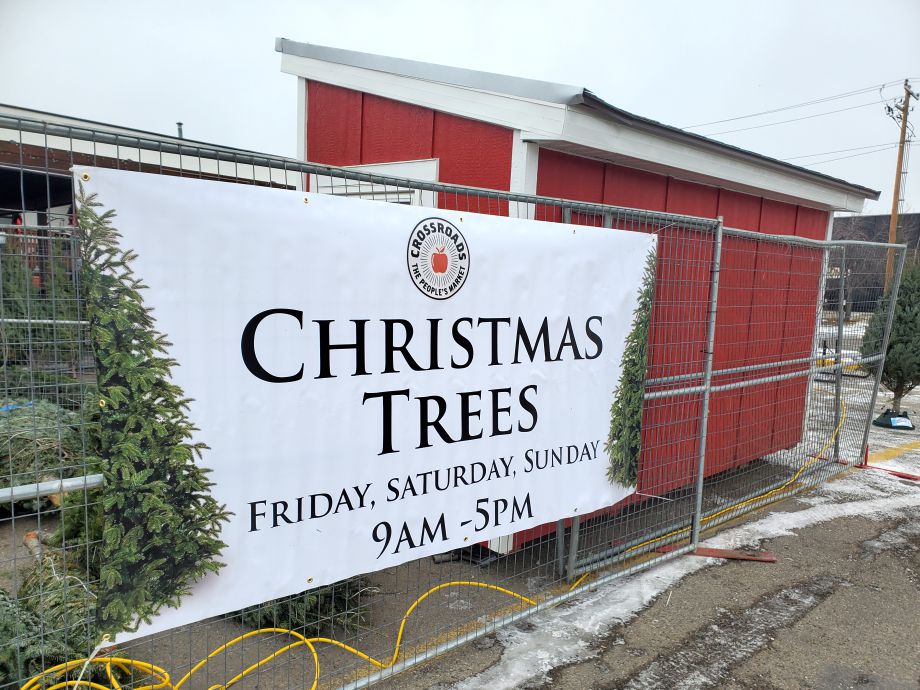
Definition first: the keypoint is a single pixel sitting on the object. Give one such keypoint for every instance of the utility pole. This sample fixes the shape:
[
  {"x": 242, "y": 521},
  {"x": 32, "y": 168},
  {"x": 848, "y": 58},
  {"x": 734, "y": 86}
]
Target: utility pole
[{"x": 893, "y": 223}]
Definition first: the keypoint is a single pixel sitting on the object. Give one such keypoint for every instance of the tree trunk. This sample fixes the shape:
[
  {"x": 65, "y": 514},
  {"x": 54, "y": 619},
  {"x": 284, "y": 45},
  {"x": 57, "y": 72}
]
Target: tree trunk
[{"x": 896, "y": 402}]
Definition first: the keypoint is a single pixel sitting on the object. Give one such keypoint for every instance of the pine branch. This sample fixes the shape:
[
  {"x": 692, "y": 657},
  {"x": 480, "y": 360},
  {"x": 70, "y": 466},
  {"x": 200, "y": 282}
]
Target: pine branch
[{"x": 624, "y": 441}]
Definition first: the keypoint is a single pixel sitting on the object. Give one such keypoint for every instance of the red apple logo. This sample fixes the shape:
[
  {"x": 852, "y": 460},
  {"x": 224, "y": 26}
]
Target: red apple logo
[{"x": 439, "y": 261}]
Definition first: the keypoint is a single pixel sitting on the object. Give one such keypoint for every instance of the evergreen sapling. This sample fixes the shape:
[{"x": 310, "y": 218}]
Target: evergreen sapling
[{"x": 901, "y": 373}]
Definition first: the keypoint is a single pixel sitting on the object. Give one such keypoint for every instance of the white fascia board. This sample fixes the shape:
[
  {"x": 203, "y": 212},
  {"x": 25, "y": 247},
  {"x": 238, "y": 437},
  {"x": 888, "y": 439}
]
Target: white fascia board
[
  {"x": 524, "y": 161},
  {"x": 513, "y": 112},
  {"x": 524, "y": 158},
  {"x": 302, "y": 118},
  {"x": 619, "y": 143},
  {"x": 302, "y": 128},
  {"x": 829, "y": 233}
]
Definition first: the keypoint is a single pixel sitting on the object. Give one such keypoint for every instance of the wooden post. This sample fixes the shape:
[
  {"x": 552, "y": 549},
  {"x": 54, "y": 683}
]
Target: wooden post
[{"x": 893, "y": 223}]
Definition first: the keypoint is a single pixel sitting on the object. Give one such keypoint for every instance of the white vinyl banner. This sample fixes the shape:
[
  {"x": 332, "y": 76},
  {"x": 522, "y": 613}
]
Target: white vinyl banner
[{"x": 377, "y": 382}]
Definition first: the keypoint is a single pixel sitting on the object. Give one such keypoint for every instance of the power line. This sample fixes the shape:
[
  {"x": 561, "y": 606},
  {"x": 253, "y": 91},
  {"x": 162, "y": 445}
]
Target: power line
[
  {"x": 864, "y": 153},
  {"x": 797, "y": 119},
  {"x": 799, "y": 105},
  {"x": 840, "y": 158},
  {"x": 827, "y": 153}
]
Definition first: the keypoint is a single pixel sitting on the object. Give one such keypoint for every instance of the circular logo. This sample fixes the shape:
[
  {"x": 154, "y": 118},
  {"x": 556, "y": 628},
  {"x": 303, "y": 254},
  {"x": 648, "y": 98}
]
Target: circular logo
[{"x": 438, "y": 258}]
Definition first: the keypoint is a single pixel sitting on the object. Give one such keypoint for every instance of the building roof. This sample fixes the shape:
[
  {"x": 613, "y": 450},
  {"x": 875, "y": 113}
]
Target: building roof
[
  {"x": 468, "y": 78},
  {"x": 38, "y": 148},
  {"x": 572, "y": 98},
  {"x": 16, "y": 118}
]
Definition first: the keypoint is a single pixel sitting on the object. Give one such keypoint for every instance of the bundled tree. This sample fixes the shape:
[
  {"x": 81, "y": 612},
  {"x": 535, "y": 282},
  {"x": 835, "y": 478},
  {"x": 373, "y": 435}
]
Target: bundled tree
[
  {"x": 25, "y": 647},
  {"x": 59, "y": 333},
  {"x": 19, "y": 304},
  {"x": 39, "y": 310},
  {"x": 901, "y": 373},
  {"x": 625, "y": 439},
  {"x": 40, "y": 441},
  {"x": 161, "y": 525},
  {"x": 342, "y": 605}
]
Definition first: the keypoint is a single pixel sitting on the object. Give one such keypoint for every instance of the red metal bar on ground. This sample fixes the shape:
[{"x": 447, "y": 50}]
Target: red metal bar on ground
[{"x": 728, "y": 554}]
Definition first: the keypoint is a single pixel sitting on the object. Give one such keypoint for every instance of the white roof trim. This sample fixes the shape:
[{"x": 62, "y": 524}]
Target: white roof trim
[
  {"x": 595, "y": 137},
  {"x": 426, "y": 71},
  {"x": 514, "y": 112}
]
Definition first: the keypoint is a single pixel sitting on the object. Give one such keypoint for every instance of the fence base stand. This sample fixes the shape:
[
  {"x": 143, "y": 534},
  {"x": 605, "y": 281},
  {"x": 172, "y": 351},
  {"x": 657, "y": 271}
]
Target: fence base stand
[
  {"x": 893, "y": 473},
  {"x": 727, "y": 554}
]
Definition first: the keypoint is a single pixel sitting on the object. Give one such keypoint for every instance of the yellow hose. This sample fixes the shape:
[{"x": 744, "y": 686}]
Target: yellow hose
[{"x": 163, "y": 679}]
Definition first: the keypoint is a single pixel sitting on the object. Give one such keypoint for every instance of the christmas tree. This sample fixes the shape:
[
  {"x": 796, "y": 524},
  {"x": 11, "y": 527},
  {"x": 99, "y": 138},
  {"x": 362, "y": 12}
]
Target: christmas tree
[
  {"x": 901, "y": 373},
  {"x": 161, "y": 527}
]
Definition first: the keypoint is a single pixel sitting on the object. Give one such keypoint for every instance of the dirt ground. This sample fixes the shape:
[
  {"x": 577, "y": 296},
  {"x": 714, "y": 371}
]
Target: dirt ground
[{"x": 839, "y": 609}]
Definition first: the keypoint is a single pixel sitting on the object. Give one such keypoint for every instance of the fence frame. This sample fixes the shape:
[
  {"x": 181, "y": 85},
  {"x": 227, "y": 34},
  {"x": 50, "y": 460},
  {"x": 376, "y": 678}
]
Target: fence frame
[{"x": 569, "y": 562}]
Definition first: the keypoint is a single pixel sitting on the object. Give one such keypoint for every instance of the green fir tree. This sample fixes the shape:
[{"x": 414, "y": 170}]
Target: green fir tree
[
  {"x": 901, "y": 373},
  {"x": 161, "y": 525},
  {"x": 625, "y": 438}
]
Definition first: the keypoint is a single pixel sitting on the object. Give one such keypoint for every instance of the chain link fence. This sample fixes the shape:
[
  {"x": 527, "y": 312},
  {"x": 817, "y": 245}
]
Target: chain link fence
[{"x": 761, "y": 373}]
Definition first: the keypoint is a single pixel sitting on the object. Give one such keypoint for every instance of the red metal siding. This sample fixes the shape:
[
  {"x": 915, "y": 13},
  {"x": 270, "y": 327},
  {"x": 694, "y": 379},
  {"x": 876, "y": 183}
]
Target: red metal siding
[
  {"x": 472, "y": 153},
  {"x": 333, "y": 124},
  {"x": 394, "y": 131},
  {"x": 765, "y": 332},
  {"x": 778, "y": 218},
  {"x": 346, "y": 127},
  {"x": 569, "y": 177},
  {"x": 811, "y": 223},
  {"x": 767, "y": 299},
  {"x": 634, "y": 188},
  {"x": 692, "y": 199},
  {"x": 798, "y": 335},
  {"x": 731, "y": 348},
  {"x": 739, "y": 210},
  {"x": 677, "y": 341},
  {"x": 798, "y": 332}
]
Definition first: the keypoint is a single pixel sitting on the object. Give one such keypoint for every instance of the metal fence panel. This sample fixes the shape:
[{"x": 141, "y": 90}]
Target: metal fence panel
[{"x": 762, "y": 372}]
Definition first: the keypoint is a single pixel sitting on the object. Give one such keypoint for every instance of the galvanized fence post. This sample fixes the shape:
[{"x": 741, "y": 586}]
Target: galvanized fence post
[
  {"x": 707, "y": 384},
  {"x": 838, "y": 350},
  {"x": 573, "y": 549},
  {"x": 560, "y": 548},
  {"x": 569, "y": 568},
  {"x": 893, "y": 300}
]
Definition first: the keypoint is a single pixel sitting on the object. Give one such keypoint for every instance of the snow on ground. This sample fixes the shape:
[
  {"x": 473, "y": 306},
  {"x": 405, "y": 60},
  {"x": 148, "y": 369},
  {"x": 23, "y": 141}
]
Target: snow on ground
[{"x": 566, "y": 634}]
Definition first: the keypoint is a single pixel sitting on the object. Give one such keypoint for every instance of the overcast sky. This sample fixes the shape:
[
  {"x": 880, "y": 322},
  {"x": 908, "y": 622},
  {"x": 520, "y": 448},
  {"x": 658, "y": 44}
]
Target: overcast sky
[{"x": 213, "y": 65}]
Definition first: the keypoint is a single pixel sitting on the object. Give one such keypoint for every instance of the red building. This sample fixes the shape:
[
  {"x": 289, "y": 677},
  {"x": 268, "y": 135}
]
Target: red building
[{"x": 444, "y": 124}]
